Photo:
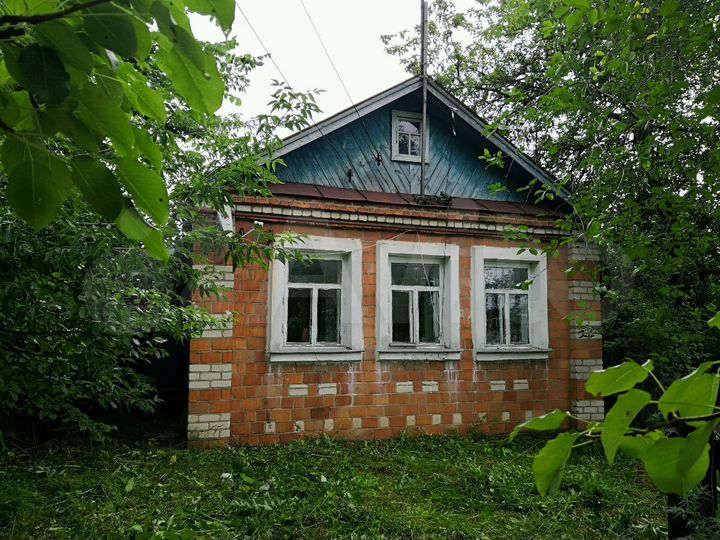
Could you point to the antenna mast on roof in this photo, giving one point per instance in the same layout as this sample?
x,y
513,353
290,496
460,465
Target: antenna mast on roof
x,y
423,75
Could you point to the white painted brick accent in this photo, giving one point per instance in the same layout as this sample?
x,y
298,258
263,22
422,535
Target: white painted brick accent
x,y
580,370
581,290
457,419
404,387
222,327
203,376
521,384
220,274
497,386
384,421
208,426
329,424
589,409
583,252
430,386
298,390
505,416
528,415
299,425
586,330
327,389
357,423
482,417
270,427
436,419
410,420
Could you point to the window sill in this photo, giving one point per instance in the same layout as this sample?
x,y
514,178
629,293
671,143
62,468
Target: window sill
x,y
509,353
418,354
316,354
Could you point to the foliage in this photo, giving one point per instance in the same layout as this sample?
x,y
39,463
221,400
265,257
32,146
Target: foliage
x,y
673,451
427,487
620,101
77,73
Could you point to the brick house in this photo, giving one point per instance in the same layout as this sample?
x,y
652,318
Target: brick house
x,y
409,314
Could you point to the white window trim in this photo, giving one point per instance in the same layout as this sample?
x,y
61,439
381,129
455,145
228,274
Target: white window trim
x,y
537,305
449,346
350,348
397,115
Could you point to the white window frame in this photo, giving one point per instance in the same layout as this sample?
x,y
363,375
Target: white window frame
x,y
350,348
424,132
537,349
448,347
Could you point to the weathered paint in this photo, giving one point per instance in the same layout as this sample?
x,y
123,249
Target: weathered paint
x,y
454,167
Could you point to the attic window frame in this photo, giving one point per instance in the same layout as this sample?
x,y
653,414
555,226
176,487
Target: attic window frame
x,y
424,132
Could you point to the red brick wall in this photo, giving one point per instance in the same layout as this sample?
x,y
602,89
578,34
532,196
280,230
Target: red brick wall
x,y
492,396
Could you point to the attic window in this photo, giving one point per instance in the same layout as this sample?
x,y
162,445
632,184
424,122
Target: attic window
x,y
407,136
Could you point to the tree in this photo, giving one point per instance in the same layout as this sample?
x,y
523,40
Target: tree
x,y
619,100
83,304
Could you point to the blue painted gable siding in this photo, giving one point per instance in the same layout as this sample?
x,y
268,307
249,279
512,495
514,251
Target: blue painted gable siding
x,y
453,168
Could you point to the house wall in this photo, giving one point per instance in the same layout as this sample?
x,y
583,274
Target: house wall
x,y
237,396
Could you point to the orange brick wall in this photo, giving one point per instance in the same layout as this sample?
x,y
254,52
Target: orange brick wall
x,y
269,403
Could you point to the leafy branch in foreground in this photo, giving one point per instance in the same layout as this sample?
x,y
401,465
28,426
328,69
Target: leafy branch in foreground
x,y
673,451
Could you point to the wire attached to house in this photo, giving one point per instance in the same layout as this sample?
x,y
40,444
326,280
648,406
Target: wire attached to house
x,y
284,78
378,155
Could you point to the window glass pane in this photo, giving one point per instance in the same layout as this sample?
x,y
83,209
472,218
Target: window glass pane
x,y
315,271
429,316
401,316
519,327
298,321
415,145
499,277
495,319
404,144
328,316
411,127
426,275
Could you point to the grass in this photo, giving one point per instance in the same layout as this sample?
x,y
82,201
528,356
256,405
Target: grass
x,y
413,487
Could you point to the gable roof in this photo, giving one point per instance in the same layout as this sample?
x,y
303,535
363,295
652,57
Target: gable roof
x,y
394,93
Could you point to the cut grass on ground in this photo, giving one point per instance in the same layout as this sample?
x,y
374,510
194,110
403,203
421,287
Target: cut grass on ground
x,y
414,487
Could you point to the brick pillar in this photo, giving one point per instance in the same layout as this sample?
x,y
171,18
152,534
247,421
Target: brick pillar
x,y
210,374
585,333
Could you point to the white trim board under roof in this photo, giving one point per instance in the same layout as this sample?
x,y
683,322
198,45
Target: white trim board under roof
x,y
400,90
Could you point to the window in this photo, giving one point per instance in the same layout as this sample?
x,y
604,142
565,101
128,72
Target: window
x,y
407,136
417,311
509,304
315,304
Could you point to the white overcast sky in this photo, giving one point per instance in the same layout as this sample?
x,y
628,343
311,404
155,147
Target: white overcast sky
x,y
351,32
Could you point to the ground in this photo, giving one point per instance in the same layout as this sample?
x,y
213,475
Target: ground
x,y
413,487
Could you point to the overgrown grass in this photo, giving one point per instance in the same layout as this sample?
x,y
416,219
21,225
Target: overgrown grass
x,y
414,487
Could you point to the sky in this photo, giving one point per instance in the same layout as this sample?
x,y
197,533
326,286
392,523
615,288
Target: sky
x,y
351,32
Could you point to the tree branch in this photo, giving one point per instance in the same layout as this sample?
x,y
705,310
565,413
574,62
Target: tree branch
x,y
37,19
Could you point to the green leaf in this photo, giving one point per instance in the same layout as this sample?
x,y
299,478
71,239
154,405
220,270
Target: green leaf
x,y
617,379
222,10
131,223
546,422
112,28
146,187
130,485
36,190
579,4
155,245
180,36
693,395
635,446
143,98
696,443
661,462
202,90
715,321
43,74
637,26
619,418
549,464
64,40
98,186
669,7
60,120
106,118
147,148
